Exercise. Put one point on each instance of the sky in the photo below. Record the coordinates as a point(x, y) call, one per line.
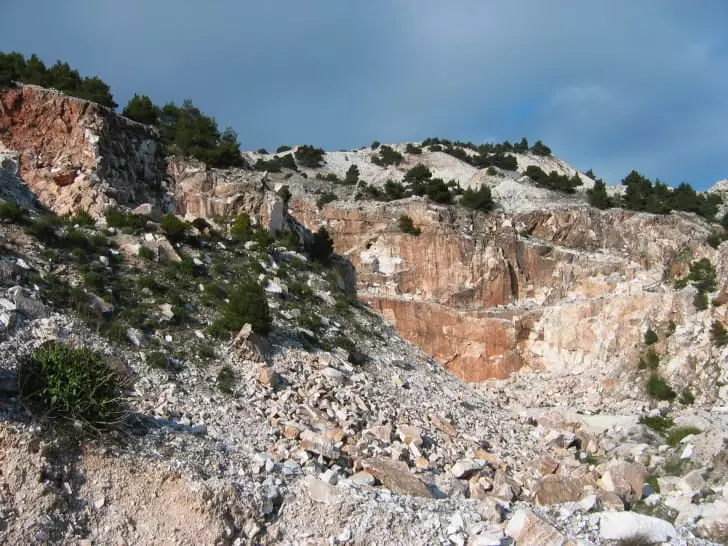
point(613, 85)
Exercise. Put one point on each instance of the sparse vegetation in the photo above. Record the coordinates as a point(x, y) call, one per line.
point(225, 380)
point(598, 196)
point(657, 387)
point(322, 246)
point(70, 383)
point(657, 423)
point(174, 228)
point(553, 180)
point(247, 304)
point(387, 156)
point(325, 199)
point(11, 212)
point(407, 226)
point(718, 334)
point(15, 68)
point(480, 199)
point(650, 337)
point(310, 157)
point(677, 434)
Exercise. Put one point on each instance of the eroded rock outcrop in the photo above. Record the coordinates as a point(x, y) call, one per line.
point(74, 154)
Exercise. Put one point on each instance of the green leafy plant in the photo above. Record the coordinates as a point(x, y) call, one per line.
point(657, 423)
point(11, 212)
point(687, 398)
point(650, 337)
point(406, 225)
point(325, 199)
point(677, 434)
point(247, 304)
point(225, 380)
point(308, 156)
point(174, 228)
point(70, 383)
point(157, 360)
point(480, 199)
point(657, 387)
point(718, 334)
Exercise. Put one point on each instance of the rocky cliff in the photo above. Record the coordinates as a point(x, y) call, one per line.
point(74, 154)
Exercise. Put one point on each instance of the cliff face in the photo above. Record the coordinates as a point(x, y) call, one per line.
point(568, 290)
point(76, 154)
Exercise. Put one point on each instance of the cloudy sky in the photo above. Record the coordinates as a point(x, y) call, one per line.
point(611, 85)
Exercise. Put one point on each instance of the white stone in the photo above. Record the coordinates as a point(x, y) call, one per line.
point(622, 525)
point(687, 452)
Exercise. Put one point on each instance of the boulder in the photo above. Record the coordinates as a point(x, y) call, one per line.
point(624, 479)
point(530, 530)
point(554, 489)
point(625, 525)
point(465, 468)
point(714, 521)
point(396, 476)
point(250, 345)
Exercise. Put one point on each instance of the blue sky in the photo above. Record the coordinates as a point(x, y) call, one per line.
point(610, 85)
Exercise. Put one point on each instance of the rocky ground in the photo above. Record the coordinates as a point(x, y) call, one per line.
point(310, 443)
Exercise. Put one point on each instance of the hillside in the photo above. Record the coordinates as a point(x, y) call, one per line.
point(542, 372)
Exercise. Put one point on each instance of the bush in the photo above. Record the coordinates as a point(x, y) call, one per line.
point(659, 388)
point(718, 334)
point(492, 171)
point(702, 275)
point(687, 398)
point(11, 212)
point(308, 156)
point(598, 196)
point(277, 163)
point(145, 253)
point(657, 423)
point(701, 301)
point(225, 380)
point(141, 109)
point(375, 144)
point(325, 198)
point(82, 218)
point(14, 67)
point(394, 190)
point(157, 360)
point(322, 246)
point(248, 304)
point(283, 148)
point(480, 199)
point(352, 175)
point(412, 149)
point(417, 178)
point(241, 230)
point(653, 359)
point(650, 337)
point(676, 435)
point(539, 148)
point(553, 181)
point(387, 156)
point(407, 226)
point(174, 228)
point(121, 219)
point(44, 228)
point(70, 383)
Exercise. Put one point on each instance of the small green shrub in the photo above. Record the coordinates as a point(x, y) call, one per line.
point(45, 228)
point(718, 334)
point(206, 352)
point(242, 229)
point(94, 280)
point(703, 275)
point(157, 360)
point(406, 225)
point(375, 144)
point(480, 199)
point(283, 148)
point(70, 383)
point(653, 359)
point(677, 434)
point(687, 398)
point(174, 228)
point(82, 218)
point(387, 156)
point(120, 219)
point(218, 330)
point(248, 304)
point(650, 337)
point(309, 156)
point(145, 253)
point(659, 388)
point(658, 423)
point(414, 150)
point(700, 301)
point(11, 212)
point(322, 246)
point(225, 380)
point(325, 199)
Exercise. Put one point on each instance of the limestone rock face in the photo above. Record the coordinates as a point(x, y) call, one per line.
point(77, 154)
point(567, 290)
